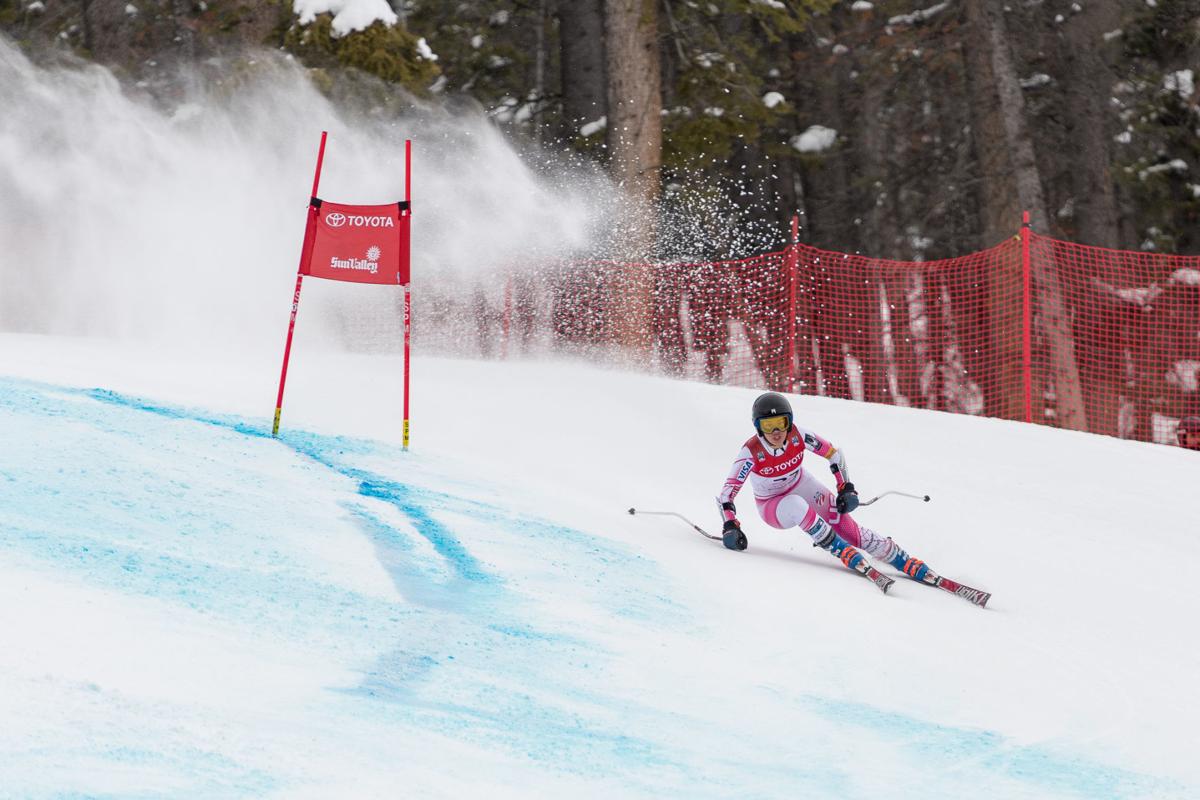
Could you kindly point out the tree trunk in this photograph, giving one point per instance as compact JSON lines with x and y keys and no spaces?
{"x":634,"y":138}
{"x":1088,"y":84}
{"x":1001,"y":213}
{"x":987,"y":20}
{"x":880,"y":236}
{"x":581,"y":43}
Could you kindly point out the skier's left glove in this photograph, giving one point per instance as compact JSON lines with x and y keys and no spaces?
{"x":847,"y":498}
{"x":732,"y":536}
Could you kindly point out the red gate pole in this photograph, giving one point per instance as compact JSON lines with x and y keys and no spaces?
{"x":791,"y":262}
{"x":407,"y":292}
{"x":1027,"y":318}
{"x":287,"y":348}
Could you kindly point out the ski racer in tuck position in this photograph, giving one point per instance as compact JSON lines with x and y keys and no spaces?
{"x":788,"y":496}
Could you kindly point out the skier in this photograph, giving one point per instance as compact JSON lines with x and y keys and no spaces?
{"x":788,"y":496}
{"x":1188,"y":433}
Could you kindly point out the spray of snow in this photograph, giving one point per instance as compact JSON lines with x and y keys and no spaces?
{"x":593,"y":127}
{"x":122,"y":219}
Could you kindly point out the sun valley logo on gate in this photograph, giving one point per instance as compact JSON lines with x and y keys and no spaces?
{"x":369,"y":264}
{"x":336,"y":219}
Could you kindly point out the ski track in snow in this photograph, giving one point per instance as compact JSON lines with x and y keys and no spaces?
{"x":467,"y":651}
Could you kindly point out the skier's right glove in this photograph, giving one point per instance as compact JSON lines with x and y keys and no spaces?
{"x":732,"y":536}
{"x":847,"y":498}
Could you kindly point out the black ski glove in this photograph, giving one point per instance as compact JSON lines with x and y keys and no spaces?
{"x":732,"y":536}
{"x":847,"y":498}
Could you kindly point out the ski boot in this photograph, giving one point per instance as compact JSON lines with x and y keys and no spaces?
{"x":824,"y":537}
{"x":914,"y":568}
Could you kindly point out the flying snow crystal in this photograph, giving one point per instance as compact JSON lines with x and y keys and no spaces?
{"x":1113,"y":34}
{"x":131,"y":9}
{"x":771,"y":4}
{"x":1035,"y":81}
{"x":772,"y":99}
{"x":815,"y":139}
{"x":425,"y":51}
{"x":36,"y":7}
{"x":499,"y":18}
{"x":348,"y":15}
{"x":862,"y":5}
{"x":476,"y":42}
{"x":595,"y":126}
{"x":1182,"y":82}
{"x":714,"y":111}
{"x":1124,"y":137}
{"x":505,"y":109}
{"x":918,"y":16}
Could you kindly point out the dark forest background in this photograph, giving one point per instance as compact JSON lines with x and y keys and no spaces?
{"x":907,"y":130}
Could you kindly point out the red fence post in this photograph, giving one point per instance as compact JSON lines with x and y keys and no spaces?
{"x":287,"y":348}
{"x":1027,"y":317}
{"x":791,"y":262}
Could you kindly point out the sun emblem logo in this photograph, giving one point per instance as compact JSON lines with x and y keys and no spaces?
{"x":373,"y":253}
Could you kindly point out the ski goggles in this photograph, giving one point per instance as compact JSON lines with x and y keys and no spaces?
{"x":768,"y":425}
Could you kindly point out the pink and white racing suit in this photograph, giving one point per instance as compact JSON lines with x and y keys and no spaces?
{"x":788,"y":496}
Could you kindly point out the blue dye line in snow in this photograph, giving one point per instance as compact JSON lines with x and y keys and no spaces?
{"x":547,"y":733}
{"x":470,"y":605}
{"x":946,"y":750}
{"x":325,"y":450}
{"x":420,"y":503}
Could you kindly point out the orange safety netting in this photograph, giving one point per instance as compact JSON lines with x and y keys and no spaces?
{"x":1032,"y":329}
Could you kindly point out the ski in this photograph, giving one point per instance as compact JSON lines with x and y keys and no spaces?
{"x":875,"y":576}
{"x":976,"y":596}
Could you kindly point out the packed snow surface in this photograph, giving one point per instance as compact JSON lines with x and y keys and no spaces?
{"x":191,"y":608}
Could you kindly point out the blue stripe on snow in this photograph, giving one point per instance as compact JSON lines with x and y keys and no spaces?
{"x":468,"y":657}
{"x":966,"y":755}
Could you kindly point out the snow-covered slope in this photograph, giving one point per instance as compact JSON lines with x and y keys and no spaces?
{"x":191,"y":608}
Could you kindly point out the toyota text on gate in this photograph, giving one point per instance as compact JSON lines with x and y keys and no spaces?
{"x":336,"y":219}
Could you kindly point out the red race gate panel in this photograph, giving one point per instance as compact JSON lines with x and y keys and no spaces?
{"x":360,"y":244}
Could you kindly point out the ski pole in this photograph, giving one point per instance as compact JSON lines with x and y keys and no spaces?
{"x":924,"y":497}
{"x":695,"y":527}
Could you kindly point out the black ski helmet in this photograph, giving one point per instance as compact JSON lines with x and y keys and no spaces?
{"x":771,"y":404}
{"x":1186,"y":425}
